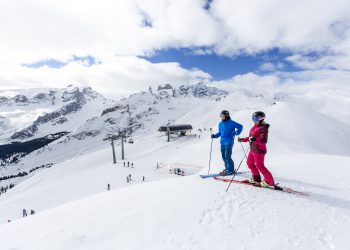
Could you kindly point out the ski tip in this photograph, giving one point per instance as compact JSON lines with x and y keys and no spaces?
{"x":278,"y":187}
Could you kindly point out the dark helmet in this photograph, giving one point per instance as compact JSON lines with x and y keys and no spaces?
{"x":258,"y":116}
{"x":225,"y":113}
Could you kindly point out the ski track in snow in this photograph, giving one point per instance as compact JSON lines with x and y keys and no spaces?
{"x":231,"y":214}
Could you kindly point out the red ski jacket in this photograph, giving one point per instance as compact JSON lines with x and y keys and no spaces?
{"x":260,"y":133}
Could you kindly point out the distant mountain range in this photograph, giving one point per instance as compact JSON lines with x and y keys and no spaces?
{"x":32,"y":119}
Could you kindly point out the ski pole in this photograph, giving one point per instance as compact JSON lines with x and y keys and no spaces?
{"x":243,"y":150}
{"x":245,"y":156}
{"x":211,"y":149}
{"x":236,"y":171}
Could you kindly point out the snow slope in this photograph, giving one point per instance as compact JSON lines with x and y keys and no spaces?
{"x":193,"y":213}
{"x":308,"y":151}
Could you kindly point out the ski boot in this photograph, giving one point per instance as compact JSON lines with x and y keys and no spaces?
{"x":265,"y":185}
{"x":255,"y":180}
{"x":225,"y":172}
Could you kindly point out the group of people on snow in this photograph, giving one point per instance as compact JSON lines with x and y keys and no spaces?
{"x":128,"y":178}
{"x":128,"y":164}
{"x":25,"y":212}
{"x":177,"y":171}
{"x":257,"y":139}
{"x":4,"y":189}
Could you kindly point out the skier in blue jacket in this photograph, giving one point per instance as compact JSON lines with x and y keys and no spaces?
{"x":227,"y":131}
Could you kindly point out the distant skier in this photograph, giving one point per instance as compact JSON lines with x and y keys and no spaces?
{"x":124,"y":164}
{"x":32,"y":212}
{"x":127,"y":179}
{"x":132,"y":165}
{"x":257,"y":139}
{"x":108,"y":187}
{"x":157,"y":165}
{"x":227,"y":131}
{"x":24,"y":213}
{"x":128,"y":164}
{"x":143,"y":178}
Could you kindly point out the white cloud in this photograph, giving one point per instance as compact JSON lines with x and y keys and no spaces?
{"x":250,"y":81}
{"x":292,"y":82}
{"x":32,"y":30}
{"x":118,"y":76}
{"x":332,"y":61}
{"x":254,"y":26}
{"x":35,"y":30}
{"x":271,"y":66}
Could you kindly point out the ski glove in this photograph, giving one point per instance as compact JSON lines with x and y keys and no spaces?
{"x":239,"y":139}
{"x":212,"y":136}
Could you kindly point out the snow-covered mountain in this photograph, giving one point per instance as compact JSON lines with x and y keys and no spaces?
{"x":307,"y":150}
{"x":30,"y":114}
{"x":80,"y":119}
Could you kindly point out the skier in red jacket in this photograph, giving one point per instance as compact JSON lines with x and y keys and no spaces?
{"x":257,"y":139}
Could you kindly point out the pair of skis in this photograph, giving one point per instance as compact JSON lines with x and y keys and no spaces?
{"x":220,"y":177}
{"x":277,"y":187}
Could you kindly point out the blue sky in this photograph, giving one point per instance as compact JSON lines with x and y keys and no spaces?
{"x":219,"y":67}
{"x":222,"y":67}
{"x":52,"y":63}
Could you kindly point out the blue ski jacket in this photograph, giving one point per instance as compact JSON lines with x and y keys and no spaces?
{"x":227,"y":131}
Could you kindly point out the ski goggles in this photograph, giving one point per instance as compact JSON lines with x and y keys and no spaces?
{"x":255,"y":119}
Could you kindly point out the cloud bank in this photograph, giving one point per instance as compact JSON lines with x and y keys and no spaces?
{"x":316,"y":34}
